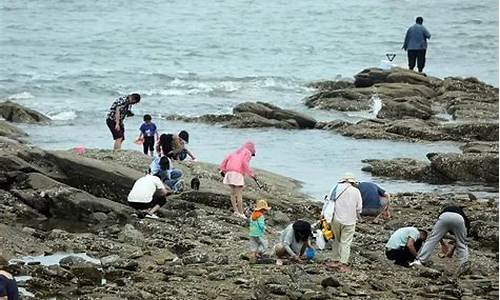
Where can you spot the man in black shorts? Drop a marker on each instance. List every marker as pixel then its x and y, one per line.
pixel 117 113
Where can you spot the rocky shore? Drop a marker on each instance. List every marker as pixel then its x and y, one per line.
pixel 55 202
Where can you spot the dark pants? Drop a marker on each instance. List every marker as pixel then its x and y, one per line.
pixel 416 56
pixel 400 256
pixel 157 200
pixel 148 144
pixel 117 134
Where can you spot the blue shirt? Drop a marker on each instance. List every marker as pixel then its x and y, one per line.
pixel 370 193
pixel 416 38
pixel 400 237
pixel 148 129
pixel 155 168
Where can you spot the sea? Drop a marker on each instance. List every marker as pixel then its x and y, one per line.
pixel 70 59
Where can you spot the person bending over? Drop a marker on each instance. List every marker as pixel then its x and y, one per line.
pixel 148 195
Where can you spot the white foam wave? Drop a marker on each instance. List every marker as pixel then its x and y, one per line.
pixel 376 105
pixel 20 96
pixel 63 116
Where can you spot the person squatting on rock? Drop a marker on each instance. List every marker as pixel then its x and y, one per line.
pixel 148 194
pixel 116 115
pixel 416 44
pixel 347 209
pixel 403 245
pixel 375 200
pixel 149 134
pixel 452 219
pixel 294 241
pixel 234 168
pixel 8 284
pixel 174 146
pixel 163 168
pixel 257 230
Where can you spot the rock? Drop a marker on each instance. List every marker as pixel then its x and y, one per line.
pixel 162 256
pixel 14 112
pixel 109 260
pixel 9 131
pixel 131 235
pixel 70 261
pixel 485 232
pixel 29 230
pixel 369 77
pixel 272 112
pixel 330 85
pixel 277 289
pixel 349 99
pixel 480 147
pixel 251 120
pixel 429 273
pixel 280 218
pixel 414 107
pixel 87 275
pixel 469 167
pixel 99 216
pixel 330 281
pixel 195 259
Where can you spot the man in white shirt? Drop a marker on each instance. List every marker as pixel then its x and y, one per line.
pixel 348 205
pixel 149 194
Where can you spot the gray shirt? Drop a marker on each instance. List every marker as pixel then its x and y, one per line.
pixel 416 38
pixel 287 238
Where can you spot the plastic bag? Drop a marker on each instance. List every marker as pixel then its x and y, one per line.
pixel 320 239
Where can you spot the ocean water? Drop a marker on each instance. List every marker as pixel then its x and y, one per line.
pixel 70 59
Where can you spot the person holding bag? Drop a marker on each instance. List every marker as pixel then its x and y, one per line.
pixel 343 208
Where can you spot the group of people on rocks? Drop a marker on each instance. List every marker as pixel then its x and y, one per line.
pixel 343 207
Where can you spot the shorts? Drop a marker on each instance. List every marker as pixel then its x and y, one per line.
pixel 257 244
pixel 234 178
pixel 374 211
pixel 148 144
pixel 117 134
pixel 157 200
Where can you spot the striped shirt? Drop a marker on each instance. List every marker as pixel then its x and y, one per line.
pixel 121 104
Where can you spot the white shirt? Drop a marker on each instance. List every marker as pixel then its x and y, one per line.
pixel 144 188
pixel 348 204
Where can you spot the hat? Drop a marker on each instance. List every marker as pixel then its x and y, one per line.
pixel 349 178
pixel 184 135
pixel 262 204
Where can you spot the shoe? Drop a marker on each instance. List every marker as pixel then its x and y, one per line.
pixel 464 269
pixel 243 216
pixel 416 263
pixel 152 216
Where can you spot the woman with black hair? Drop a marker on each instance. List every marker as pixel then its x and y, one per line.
pixel 174 146
pixel 294 241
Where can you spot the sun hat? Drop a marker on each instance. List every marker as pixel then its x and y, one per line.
pixel 262 204
pixel 349 178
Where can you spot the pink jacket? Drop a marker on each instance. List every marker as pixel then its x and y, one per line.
pixel 239 161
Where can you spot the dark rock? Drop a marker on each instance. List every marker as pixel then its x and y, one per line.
pixel 331 85
pixel 470 167
pixel 70 261
pixel 87 275
pixel 330 281
pixel 272 112
pixel 9 131
pixel 414 107
pixel 14 112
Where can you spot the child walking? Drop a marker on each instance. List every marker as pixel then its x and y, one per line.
pixel 149 133
pixel 234 168
pixel 258 243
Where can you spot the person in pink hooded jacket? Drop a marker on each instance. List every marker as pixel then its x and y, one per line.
pixel 234 168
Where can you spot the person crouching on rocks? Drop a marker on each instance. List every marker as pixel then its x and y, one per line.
pixel 148 194
pixel 174 146
pixel 8 284
pixel 348 206
pixel 162 167
pixel 234 168
pixel 403 245
pixel 258 244
pixel 451 219
pixel 294 241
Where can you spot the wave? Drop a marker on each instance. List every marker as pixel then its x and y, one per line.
pixel 191 84
pixel 63 116
pixel 20 96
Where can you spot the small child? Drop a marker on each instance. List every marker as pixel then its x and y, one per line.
pixel 148 132
pixel 258 243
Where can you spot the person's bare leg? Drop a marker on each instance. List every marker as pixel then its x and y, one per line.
pixel 118 144
pixel 239 199
pixel 154 209
pixel 233 198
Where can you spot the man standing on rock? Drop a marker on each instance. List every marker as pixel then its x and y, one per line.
pixel 348 206
pixel 416 44
pixel 451 219
pixel 117 113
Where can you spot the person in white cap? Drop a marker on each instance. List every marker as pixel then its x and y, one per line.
pixel 348 206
